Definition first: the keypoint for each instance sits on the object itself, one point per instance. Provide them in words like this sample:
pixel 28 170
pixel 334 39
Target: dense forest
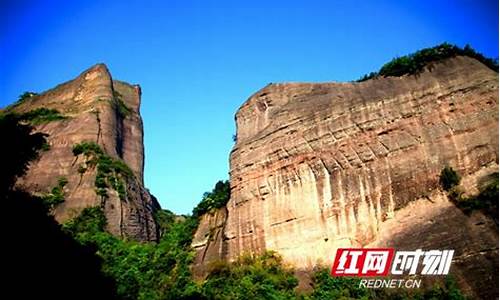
pixel 80 260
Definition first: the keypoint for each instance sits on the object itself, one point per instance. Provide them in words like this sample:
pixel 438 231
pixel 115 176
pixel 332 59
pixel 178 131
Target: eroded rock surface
pixel 434 222
pixel 104 111
pixel 319 166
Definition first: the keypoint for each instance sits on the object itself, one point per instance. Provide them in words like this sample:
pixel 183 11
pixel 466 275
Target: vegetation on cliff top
pixel 217 198
pixel 415 62
pixel 111 172
pixel 21 99
pixel 36 116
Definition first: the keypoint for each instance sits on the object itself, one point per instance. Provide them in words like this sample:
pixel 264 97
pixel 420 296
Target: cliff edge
pixel 94 110
pixel 318 166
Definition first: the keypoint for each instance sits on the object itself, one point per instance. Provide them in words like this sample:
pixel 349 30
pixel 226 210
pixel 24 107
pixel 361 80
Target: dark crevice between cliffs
pixel 119 117
pixel 99 130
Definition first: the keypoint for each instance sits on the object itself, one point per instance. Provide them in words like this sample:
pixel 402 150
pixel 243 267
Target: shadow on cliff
pixel 39 258
pixel 475 241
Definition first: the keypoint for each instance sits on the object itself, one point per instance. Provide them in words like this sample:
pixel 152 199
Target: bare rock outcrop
pixel 105 111
pixel 319 166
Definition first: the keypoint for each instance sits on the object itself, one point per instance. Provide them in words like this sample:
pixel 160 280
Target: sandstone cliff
pixel 328 165
pixel 105 111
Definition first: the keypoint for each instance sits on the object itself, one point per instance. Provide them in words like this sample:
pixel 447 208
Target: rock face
pixel 433 222
pixel 105 111
pixel 209 241
pixel 327 165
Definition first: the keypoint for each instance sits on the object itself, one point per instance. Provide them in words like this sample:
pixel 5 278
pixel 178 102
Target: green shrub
pixel 62 181
pixel 90 220
pixel 22 98
pixel 217 198
pixel 110 172
pixel 141 270
pixel 45 147
pixel 251 277
pixel 415 62
pixel 123 109
pixel 164 220
pixel 368 76
pixel 56 195
pixel 325 286
pixel 26 95
pixel 42 115
pixel 87 149
pixel 443 289
pixel 448 290
pixel 449 178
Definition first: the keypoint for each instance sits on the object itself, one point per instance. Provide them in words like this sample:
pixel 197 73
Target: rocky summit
pixel 101 114
pixel 318 166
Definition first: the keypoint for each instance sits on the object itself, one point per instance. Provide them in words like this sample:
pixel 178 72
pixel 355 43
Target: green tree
pixel 56 195
pixel 217 198
pixel 326 286
pixel 42 115
pixel 251 277
pixel 141 270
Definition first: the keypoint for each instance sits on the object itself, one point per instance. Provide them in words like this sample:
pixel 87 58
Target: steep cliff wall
pixel 106 112
pixel 327 165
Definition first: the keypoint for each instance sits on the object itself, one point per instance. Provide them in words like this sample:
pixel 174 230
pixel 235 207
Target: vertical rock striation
pixel 326 165
pixel 104 111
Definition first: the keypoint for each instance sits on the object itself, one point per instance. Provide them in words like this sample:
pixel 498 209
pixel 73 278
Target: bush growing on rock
pixel 111 172
pixel 449 178
pixel 217 198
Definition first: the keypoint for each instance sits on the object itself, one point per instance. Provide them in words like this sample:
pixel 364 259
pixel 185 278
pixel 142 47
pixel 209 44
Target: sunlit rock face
pixel 319 166
pixel 93 114
pixel 209 242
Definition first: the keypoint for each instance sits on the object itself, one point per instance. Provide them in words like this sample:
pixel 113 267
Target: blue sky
pixel 198 61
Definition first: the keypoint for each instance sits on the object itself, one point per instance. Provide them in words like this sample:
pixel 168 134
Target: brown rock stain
pixel 318 166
